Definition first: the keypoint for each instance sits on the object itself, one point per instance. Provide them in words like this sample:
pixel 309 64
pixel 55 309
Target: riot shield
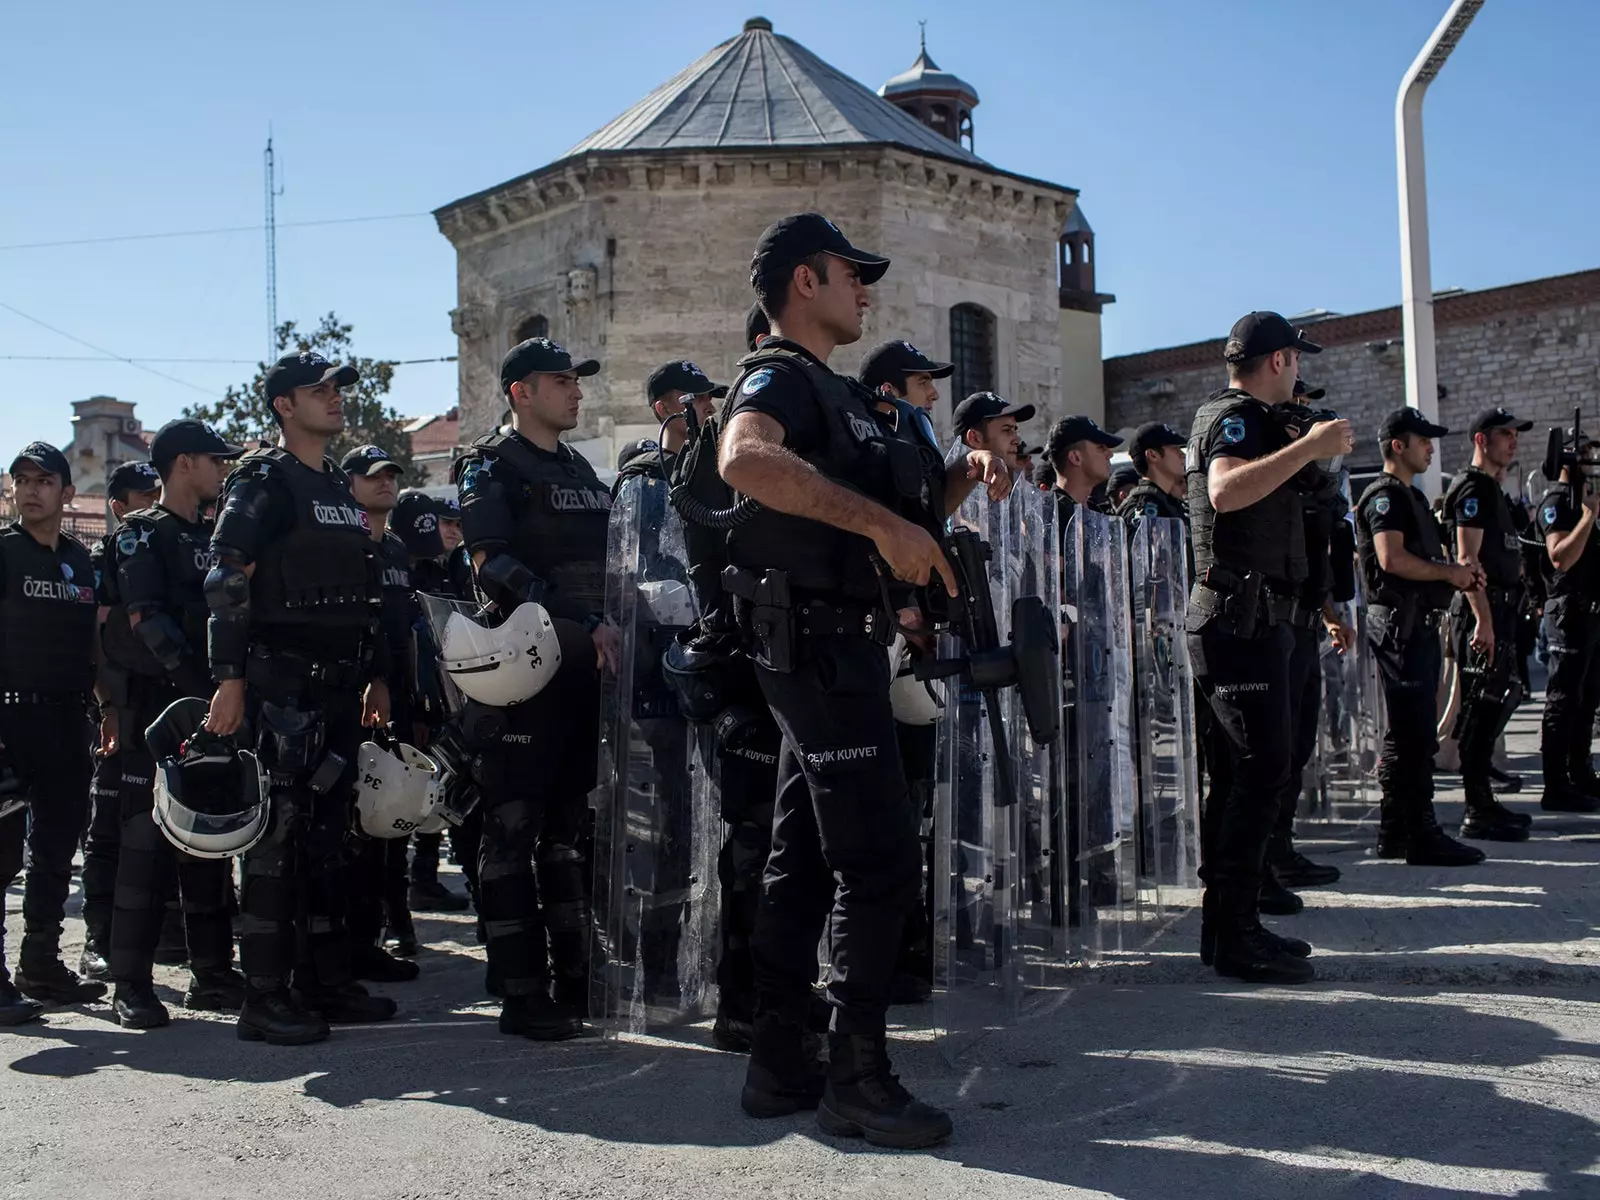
pixel 1168 848
pixel 656 826
pixel 1101 812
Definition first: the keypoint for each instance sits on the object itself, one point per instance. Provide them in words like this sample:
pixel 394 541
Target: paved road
pixel 1454 1051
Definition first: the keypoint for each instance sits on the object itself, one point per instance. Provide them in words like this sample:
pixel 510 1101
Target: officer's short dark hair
pixel 1247 367
pixel 772 287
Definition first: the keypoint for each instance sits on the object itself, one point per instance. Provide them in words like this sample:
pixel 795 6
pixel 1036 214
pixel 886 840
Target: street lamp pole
pixel 1416 273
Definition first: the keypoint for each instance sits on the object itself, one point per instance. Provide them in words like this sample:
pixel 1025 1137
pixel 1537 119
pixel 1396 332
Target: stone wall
pixel 640 258
pixel 1533 347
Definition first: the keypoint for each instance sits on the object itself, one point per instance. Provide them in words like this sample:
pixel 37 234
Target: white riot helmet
pixel 503 664
pixel 669 602
pixel 914 701
pixel 211 798
pixel 397 789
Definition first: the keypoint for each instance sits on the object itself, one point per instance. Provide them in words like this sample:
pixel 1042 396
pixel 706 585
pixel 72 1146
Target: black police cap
pixel 1498 418
pixel 415 521
pixel 789 240
pixel 986 406
pixel 187 435
pixel 305 368
pixel 368 460
pixel 682 376
pixel 132 477
pixel 893 361
pixel 540 356
pixel 756 326
pixel 1258 333
pixel 1154 435
pixel 1304 391
pixel 1122 477
pixel 1403 421
pixel 1069 431
pixel 47 458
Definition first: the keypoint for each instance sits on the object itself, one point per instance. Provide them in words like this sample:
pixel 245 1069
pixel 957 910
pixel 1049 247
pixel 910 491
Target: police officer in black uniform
pixel 1408 585
pixel 1080 451
pixel 132 486
pixel 1250 560
pixel 1157 452
pixel 900 371
pixel 534 517
pixel 48 614
pixel 676 390
pixel 1484 622
pixel 296 651
pixel 156 638
pixel 378 893
pixel 1565 523
pixel 809 573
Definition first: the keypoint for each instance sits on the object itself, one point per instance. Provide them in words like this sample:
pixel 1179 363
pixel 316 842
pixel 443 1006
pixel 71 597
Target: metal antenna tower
pixel 273 192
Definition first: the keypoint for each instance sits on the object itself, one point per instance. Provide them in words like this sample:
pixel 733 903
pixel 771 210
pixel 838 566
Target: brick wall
pixel 1533 347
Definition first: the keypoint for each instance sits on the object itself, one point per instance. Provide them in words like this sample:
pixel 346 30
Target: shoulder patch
pixel 1549 513
pixel 1469 507
pixel 1380 505
pixel 1150 509
pixel 1233 429
pixel 127 540
pixel 478 468
pixel 757 381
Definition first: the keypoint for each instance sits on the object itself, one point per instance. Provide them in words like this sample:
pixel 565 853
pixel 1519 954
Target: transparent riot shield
pixel 656 826
pixel 999 912
pixel 1167 851
pixel 1102 802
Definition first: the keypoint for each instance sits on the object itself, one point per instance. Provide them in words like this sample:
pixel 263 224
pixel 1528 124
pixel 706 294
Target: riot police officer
pixel 156 638
pixel 986 421
pixel 677 391
pixel 48 614
pixel 132 486
pixel 902 372
pixel 534 518
pixel 806 445
pixel 1409 583
pixel 1250 560
pixel 1157 451
pixel 1484 622
pixel 295 649
pixel 1081 453
pixel 378 892
pixel 1565 523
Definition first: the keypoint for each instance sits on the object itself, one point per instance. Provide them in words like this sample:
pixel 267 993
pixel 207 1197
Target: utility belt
pixel 1575 604
pixel 773 618
pixel 1247 603
pixel 270 670
pixel 1405 618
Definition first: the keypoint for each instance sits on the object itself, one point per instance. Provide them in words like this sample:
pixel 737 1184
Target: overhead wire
pixel 183 233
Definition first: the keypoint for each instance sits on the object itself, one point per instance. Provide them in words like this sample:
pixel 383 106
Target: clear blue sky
pixel 1231 154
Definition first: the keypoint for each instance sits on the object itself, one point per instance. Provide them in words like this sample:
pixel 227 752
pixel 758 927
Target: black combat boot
pixel 219 990
pixel 1393 828
pixel 782 1077
pixel 275 1018
pixel 1561 795
pixel 345 1004
pixel 864 1098
pixel 371 962
pixel 1208 937
pixel 1244 950
pixel 1293 869
pixel 50 981
pixel 93 963
pixel 136 1007
pixel 433 896
pixel 16 1009
pixel 402 934
pixel 537 1017
pixel 732 1033
pixel 1504 782
pixel 1486 818
pixel 1275 899
pixel 1430 846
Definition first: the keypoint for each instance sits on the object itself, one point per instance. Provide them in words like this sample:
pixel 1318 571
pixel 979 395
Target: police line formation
pixel 804 718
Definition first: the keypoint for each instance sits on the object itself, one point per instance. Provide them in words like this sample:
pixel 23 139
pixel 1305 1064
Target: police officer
pixel 1250 559
pixel 295 649
pixel 1080 451
pixel 534 517
pixel 676 390
pixel 1409 583
pixel 1565 523
pixel 986 421
pixel 1484 622
pixel 132 486
pixel 807 446
pixel 1157 452
pixel 902 372
pixel 378 892
pixel 156 637
pixel 48 614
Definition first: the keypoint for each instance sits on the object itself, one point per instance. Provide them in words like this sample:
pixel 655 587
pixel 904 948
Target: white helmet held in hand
pixel 914 701
pixel 211 798
pixel 503 664
pixel 397 789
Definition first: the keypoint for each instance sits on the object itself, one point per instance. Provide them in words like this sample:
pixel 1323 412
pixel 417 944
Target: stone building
pixel 1533 347
pixel 634 247
pixel 105 434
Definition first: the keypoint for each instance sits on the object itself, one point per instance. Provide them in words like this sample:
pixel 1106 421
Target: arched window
pixel 972 350
pixel 534 326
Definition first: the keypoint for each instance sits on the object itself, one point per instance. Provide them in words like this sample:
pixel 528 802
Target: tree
pixel 244 417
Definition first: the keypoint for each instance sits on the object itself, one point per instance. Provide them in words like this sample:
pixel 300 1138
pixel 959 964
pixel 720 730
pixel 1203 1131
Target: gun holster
pixel 765 613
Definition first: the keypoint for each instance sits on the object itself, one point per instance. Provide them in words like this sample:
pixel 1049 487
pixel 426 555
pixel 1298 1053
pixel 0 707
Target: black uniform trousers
pixel 533 877
pixel 100 846
pixel 1481 728
pixel 747 786
pixel 48 745
pixel 1572 693
pixel 1409 669
pixel 296 880
pixel 845 852
pixel 1245 682
pixel 1305 699
pixel 148 864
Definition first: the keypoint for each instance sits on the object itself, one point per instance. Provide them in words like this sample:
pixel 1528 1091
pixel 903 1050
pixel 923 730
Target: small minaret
pixel 941 101
pixel 1076 265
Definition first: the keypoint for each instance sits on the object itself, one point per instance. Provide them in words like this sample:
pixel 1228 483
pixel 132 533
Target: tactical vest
pixel 323 574
pixel 1500 553
pixel 562 512
pixel 186 556
pixel 1267 537
pixel 1423 540
pixel 399 604
pixel 48 614
pixel 855 453
pixel 1145 499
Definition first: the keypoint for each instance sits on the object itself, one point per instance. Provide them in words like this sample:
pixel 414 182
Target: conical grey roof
pixel 927 76
pixel 762 90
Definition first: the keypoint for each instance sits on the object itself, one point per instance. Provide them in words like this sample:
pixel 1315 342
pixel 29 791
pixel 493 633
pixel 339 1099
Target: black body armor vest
pixel 399 602
pixel 186 557
pixel 1501 550
pixel 1423 540
pixel 48 615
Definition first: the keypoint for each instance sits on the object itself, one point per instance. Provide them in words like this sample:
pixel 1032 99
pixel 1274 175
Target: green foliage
pixel 244 417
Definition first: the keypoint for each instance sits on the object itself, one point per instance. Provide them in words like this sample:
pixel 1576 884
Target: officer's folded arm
pixel 1237 483
pixel 1395 559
